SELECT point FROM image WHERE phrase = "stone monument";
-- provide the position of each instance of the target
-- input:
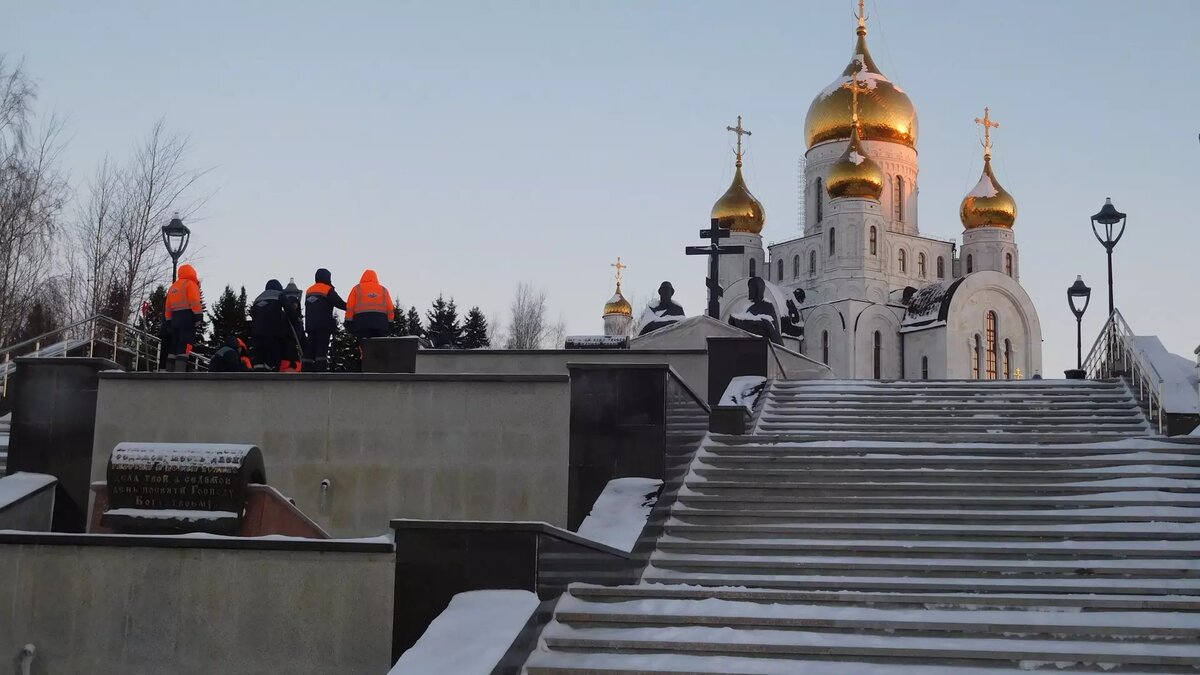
(761, 317)
(664, 313)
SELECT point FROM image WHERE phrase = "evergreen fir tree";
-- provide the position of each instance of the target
(228, 317)
(116, 305)
(475, 331)
(343, 350)
(150, 317)
(413, 321)
(398, 326)
(443, 322)
(40, 320)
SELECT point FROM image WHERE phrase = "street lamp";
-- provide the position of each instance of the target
(1075, 292)
(175, 237)
(1108, 217)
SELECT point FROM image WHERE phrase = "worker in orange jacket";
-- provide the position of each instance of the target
(369, 308)
(184, 309)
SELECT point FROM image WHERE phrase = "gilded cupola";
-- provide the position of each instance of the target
(737, 209)
(885, 112)
(854, 174)
(617, 305)
(988, 204)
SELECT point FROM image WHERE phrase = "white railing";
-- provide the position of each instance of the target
(96, 335)
(1114, 354)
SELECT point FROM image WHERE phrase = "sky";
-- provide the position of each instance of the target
(461, 148)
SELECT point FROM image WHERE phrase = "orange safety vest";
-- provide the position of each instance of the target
(369, 296)
(184, 295)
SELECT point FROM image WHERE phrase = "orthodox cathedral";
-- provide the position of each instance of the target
(875, 298)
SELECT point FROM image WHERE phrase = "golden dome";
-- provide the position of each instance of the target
(988, 204)
(885, 112)
(618, 304)
(737, 209)
(854, 174)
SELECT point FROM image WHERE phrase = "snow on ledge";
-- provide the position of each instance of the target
(744, 390)
(470, 636)
(620, 512)
(171, 514)
(15, 487)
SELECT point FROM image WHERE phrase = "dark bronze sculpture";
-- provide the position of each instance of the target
(760, 317)
(663, 314)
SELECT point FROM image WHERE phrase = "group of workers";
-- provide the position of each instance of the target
(290, 330)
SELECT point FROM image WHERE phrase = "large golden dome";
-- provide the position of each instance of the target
(885, 111)
(737, 209)
(854, 174)
(988, 204)
(617, 304)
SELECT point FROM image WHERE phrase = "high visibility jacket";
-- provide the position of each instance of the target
(369, 297)
(185, 293)
(319, 302)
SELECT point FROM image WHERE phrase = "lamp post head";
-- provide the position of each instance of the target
(1078, 291)
(1108, 215)
(175, 237)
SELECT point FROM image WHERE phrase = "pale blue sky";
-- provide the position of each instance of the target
(462, 147)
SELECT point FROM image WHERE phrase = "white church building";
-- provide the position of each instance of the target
(880, 299)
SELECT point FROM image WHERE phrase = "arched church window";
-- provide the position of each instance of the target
(1008, 359)
(819, 198)
(921, 265)
(970, 264)
(941, 264)
(924, 367)
(990, 330)
(812, 263)
(1008, 264)
(832, 241)
(796, 266)
(975, 359)
(825, 347)
(753, 267)
(779, 268)
(903, 261)
(877, 355)
(898, 200)
(874, 241)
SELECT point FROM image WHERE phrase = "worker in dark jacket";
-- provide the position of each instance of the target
(268, 326)
(319, 302)
(184, 310)
(369, 308)
(231, 357)
(294, 344)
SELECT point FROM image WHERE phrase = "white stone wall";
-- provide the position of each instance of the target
(1017, 322)
(893, 158)
(989, 249)
(735, 267)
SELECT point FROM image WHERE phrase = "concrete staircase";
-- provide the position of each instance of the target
(894, 542)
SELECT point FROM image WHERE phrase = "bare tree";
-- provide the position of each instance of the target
(527, 327)
(32, 195)
(556, 334)
(94, 263)
(157, 183)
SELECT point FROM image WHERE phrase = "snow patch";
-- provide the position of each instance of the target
(470, 636)
(620, 512)
(1180, 381)
(171, 514)
(856, 158)
(22, 484)
(984, 188)
(744, 390)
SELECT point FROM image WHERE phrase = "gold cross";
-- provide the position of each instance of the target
(862, 14)
(855, 86)
(619, 267)
(988, 125)
(740, 131)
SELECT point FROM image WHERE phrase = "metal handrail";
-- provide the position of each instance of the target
(1115, 345)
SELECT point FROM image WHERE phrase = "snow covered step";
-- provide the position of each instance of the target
(966, 601)
(932, 425)
(1068, 550)
(799, 489)
(949, 461)
(578, 612)
(748, 516)
(1149, 531)
(753, 446)
(933, 475)
(997, 436)
(801, 644)
(964, 501)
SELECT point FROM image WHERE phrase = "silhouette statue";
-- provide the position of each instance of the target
(663, 314)
(760, 317)
(791, 325)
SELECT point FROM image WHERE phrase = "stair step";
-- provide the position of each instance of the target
(1031, 477)
(578, 662)
(1149, 531)
(929, 516)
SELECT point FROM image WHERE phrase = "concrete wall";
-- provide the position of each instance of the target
(120, 609)
(27, 502)
(392, 446)
(690, 364)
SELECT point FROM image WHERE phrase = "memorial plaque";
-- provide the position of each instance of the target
(180, 487)
(596, 342)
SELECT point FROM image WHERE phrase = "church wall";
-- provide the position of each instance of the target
(734, 267)
(893, 158)
(989, 247)
(930, 344)
(1016, 321)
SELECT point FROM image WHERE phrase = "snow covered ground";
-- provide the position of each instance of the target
(1181, 394)
(470, 636)
(620, 512)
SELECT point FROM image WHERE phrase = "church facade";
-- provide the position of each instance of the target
(881, 300)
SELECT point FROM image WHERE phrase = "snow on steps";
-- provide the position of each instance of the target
(884, 553)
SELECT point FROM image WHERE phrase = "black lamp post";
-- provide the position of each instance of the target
(1109, 217)
(1076, 292)
(175, 237)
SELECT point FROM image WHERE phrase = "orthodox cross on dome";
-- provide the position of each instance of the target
(855, 86)
(620, 266)
(862, 15)
(740, 131)
(988, 125)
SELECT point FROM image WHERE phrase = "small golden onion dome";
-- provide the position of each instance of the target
(737, 209)
(988, 204)
(617, 304)
(886, 113)
(854, 174)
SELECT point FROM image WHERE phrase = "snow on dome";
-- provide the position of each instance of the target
(857, 158)
(984, 188)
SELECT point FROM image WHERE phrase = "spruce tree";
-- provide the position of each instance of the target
(40, 320)
(443, 322)
(150, 318)
(413, 321)
(343, 350)
(116, 305)
(228, 317)
(398, 326)
(475, 331)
